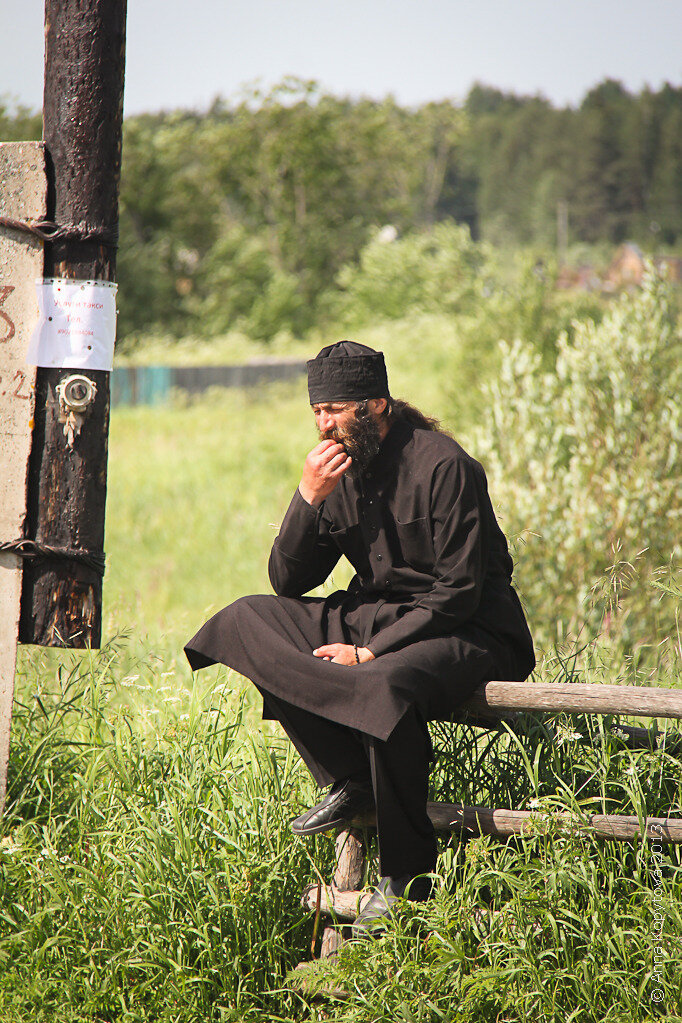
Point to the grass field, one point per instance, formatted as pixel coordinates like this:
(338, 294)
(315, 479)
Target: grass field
(146, 865)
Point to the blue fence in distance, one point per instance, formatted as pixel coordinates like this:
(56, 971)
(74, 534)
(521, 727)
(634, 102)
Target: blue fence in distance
(151, 385)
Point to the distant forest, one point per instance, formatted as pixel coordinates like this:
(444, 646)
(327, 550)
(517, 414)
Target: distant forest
(279, 192)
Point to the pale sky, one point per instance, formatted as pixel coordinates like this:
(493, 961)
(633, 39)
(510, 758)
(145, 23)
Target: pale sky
(184, 54)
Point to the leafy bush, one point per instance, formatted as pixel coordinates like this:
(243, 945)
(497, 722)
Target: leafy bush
(239, 285)
(434, 271)
(584, 462)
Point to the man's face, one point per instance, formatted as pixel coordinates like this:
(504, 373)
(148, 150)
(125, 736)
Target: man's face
(359, 435)
(332, 418)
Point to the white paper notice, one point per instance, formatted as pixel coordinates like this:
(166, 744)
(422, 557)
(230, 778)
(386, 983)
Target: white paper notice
(77, 324)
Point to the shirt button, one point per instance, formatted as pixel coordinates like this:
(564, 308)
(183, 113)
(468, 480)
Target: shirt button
(378, 557)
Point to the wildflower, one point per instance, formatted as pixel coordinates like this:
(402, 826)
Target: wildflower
(565, 734)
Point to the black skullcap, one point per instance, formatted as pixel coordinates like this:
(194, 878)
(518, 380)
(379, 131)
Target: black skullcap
(347, 371)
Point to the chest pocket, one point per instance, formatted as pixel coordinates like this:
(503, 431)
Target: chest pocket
(350, 543)
(416, 547)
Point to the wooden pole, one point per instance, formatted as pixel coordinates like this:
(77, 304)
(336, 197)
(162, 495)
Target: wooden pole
(82, 123)
(483, 820)
(575, 698)
(348, 876)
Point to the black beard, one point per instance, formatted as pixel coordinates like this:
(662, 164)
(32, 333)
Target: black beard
(361, 439)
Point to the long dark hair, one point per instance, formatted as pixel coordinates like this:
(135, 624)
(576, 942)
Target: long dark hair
(396, 408)
(399, 409)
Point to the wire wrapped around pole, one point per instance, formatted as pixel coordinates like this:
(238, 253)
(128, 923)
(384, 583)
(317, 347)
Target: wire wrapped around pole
(34, 551)
(48, 231)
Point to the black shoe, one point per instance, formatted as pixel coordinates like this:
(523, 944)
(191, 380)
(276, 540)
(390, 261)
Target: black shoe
(346, 799)
(380, 906)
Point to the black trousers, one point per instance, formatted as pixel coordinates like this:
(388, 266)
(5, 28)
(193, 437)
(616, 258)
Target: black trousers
(399, 771)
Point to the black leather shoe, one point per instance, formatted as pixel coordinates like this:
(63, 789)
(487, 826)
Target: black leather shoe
(346, 799)
(380, 906)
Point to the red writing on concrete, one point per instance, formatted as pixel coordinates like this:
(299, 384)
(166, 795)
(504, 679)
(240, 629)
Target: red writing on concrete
(6, 290)
(19, 380)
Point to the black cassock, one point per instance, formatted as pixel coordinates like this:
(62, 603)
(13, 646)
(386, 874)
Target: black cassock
(432, 599)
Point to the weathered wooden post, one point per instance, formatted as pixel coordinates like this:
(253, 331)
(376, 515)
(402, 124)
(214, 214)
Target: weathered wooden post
(63, 195)
(348, 877)
(83, 115)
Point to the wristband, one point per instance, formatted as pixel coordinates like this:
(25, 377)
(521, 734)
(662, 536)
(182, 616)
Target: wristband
(357, 658)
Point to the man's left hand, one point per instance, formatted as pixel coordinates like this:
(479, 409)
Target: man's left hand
(343, 653)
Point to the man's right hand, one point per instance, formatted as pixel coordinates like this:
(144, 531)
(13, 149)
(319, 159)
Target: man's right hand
(324, 467)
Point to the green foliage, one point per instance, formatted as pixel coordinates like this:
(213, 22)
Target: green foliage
(584, 461)
(17, 122)
(239, 286)
(243, 217)
(432, 271)
(304, 178)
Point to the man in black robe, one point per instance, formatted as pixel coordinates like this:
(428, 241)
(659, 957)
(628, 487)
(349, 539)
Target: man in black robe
(430, 614)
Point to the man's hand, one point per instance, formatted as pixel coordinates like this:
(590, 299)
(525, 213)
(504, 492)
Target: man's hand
(324, 467)
(343, 653)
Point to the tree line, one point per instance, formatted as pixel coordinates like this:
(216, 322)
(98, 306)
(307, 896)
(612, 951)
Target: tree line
(254, 212)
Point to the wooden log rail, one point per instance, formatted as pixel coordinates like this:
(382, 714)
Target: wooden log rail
(575, 698)
(482, 820)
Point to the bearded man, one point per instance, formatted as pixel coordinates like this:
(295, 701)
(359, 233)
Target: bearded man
(430, 614)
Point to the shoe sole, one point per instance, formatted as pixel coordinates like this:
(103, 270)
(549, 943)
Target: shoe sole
(339, 822)
(319, 828)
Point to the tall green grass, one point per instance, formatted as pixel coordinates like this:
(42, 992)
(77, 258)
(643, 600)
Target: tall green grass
(147, 875)
(148, 872)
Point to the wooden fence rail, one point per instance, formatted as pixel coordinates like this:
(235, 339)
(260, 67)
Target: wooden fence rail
(576, 698)
(482, 820)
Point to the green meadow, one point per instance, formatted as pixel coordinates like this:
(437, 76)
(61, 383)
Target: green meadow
(147, 872)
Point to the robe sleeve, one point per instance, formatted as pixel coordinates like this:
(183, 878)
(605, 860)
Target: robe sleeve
(302, 554)
(460, 525)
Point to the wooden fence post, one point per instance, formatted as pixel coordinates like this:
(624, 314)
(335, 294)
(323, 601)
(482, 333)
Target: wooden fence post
(348, 876)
